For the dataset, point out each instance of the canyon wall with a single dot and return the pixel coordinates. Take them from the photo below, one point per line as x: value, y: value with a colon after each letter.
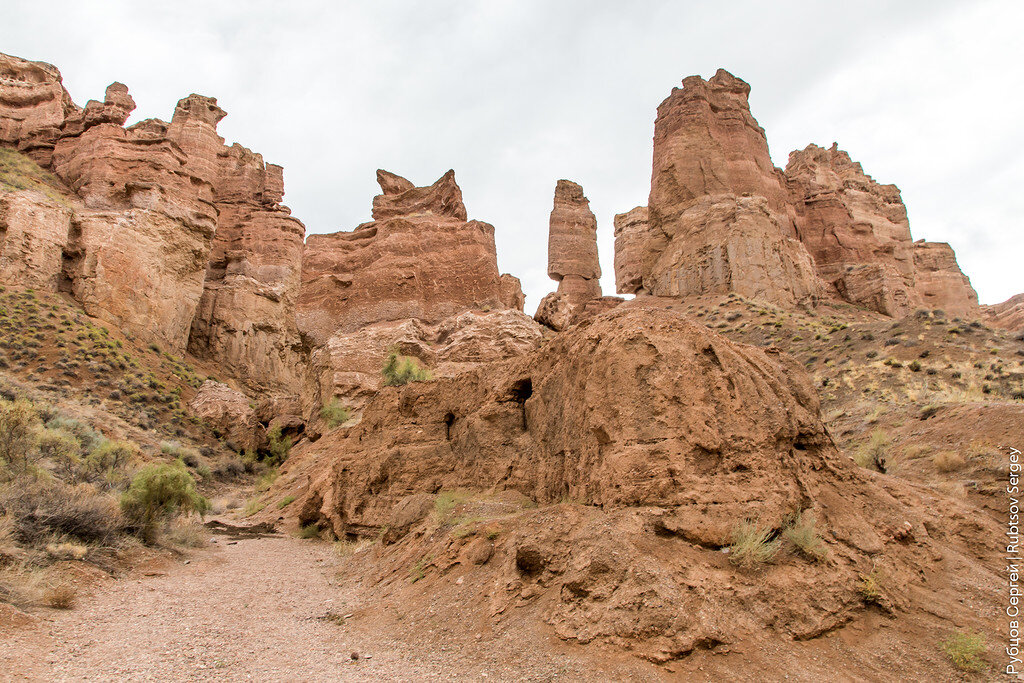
x: 721, y: 218
x: 163, y: 230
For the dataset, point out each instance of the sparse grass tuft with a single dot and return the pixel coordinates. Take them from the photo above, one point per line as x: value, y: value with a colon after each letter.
x: 874, y: 453
x: 399, y: 370
x: 870, y: 587
x: 60, y: 596
x: 188, y: 534
x: 445, y: 504
x: 285, y: 502
x: 803, y: 534
x: 948, y: 461
x: 964, y: 650
x: 752, y: 546
x: 252, y: 506
x: 308, y: 531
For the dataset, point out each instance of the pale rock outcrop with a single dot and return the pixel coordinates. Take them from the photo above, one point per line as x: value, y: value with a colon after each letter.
x: 141, y: 270
x: 855, y: 229
x: 229, y: 411
x: 420, y: 258
x: 630, y: 235
x: 33, y: 106
x: 940, y: 282
x: 719, y: 217
x: 34, y: 231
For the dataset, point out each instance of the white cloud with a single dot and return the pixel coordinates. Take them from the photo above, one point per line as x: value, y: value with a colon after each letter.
x: 515, y: 95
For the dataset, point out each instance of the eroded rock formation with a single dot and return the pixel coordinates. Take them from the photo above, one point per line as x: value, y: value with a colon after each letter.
x: 719, y: 214
x: 33, y: 106
x: 630, y: 235
x: 588, y: 417
x: 856, y: 230
x: 723, y: 219
x: 176, y: 237
x: 246, y: 317
x: 939, y: 281
x: 33, y: 234
x: 665, y: 437
x: 419, y: 258
x: 348, y: 366
x: 572, y: 261
x: 229, y: 411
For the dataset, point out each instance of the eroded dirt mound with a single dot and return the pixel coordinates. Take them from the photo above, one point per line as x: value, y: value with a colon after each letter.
x: 667, y: 437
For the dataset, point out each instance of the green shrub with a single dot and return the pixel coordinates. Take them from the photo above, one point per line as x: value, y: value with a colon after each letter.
x: 157, y: 494
x: 335, y: 414
x: 874, y: 453
x: 309, y: 531
x: 752, y: 546
x: 110, y: 455
x: 399, y: 370
x: 18, y: 421
x: 86, y: 435
x: 278, y: 445
x: 285, y: 502
x: 60, y: 447
x: 965, y: 650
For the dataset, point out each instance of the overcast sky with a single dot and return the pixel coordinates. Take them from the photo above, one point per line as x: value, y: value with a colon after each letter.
x: 515, y: 95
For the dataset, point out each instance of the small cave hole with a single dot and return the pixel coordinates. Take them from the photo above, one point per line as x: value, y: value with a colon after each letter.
x: 521, y: 390
x: 449, y: 420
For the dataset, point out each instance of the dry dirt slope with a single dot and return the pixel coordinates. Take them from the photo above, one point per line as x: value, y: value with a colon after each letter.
x: 263, y: 609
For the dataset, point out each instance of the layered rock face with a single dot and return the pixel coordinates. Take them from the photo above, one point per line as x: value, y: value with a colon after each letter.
x: 419, y: 258
x: 572, y: 260
x: 1008, y: 314
x: 348, y: 366
x: 665, y: 436
x: 228, y: 411
x: 630, y: 234
x: 246, y: 317
x: 856, y: 230
x: 939, y: 281
x: 858, y: 233
x: 421, y: 278
x: 572, y: 244
x: 33, y: 106
x: 719, y: 216
x: 723, y: 219
x: 637, y: 406
x: 181, y: 239
x: 33, y: 234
